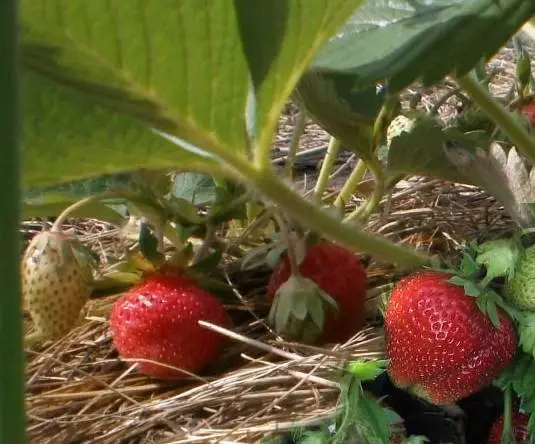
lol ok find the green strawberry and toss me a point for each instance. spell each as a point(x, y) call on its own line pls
point(521, 288)
point(56, 284)
point(398, 125)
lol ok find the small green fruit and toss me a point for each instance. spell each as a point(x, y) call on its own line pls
point(521, 288)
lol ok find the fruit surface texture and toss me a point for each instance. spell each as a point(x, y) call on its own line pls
point(55, 285)
point(157, 320)
point(521, 288)
point(440, 345)
point(338, 272)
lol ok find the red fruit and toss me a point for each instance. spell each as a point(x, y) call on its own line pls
point(520, 429)
point(157, 319)
point(341, 275)
point(439, 343)
point(529, 111)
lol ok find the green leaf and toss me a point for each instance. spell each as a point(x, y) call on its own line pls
point(419, 151)
point(184, 211)
point(366, 370)
point(499, 257)
point(344, 112)
point(175, 65)
point(280, 39)
point(492, 312)
point(273, 257)
point(209, 263)
point(404, 41)
point(68, 137)
point(470, 287)
point(54, 208)
point(468, 264)
point(375, 424)
point(520, 374)
point(526, 331)
point(197, 188)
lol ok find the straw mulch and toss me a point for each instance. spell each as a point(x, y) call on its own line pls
point(79, 391)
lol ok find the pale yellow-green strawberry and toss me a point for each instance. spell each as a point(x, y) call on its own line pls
point(56, 277)
point(521, 288)
point(398, 125)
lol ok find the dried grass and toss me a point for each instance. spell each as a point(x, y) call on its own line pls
point(78, 391)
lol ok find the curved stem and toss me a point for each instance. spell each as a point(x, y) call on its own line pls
point(351, 184)
point(292, 257)
point(365, 210)
point(75, 206)
point(294, 143)
point(503, 118)
point(313, 217)
point(328, 163)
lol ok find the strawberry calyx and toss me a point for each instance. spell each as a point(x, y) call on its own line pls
point(66, 249)
point(299, 309)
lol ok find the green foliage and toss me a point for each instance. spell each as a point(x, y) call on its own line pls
point(419, 151)
point(499, 257)
point(362, 417)
point(406, 40)
point(12, 374)
point(526, 332)
point(366, 370)
point(276, 63)
point(520, 376)
point(345, 112)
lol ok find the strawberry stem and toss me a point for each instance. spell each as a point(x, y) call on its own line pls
point(294, 143)
point(75, 206)
point(292, 257)
point(351, 184)
point(326, 168)
point(507, 432)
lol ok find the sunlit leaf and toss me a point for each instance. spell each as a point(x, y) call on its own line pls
point(405, 40)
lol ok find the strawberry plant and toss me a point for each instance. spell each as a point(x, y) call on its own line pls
point(121, 106)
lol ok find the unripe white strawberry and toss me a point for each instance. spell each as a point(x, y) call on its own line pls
point(397, 126)
point(56, 279)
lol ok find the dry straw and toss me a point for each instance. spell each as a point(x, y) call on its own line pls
point(78, 391)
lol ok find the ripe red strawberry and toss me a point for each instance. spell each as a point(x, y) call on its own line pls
point(439, 343)
point(529, 112)
point(338, 272)
point(157, 319)
point(520, 429)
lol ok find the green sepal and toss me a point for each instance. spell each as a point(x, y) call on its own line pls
point(366, 370)
point(499, 257)
point(299, 309)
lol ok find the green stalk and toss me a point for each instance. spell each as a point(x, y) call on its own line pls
point(502, 117)
point(364, 211)
point(313, 217)
point(326, 168)
point(12, 374)
point(294, 143)
point(507, 431)
point(351, 184)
